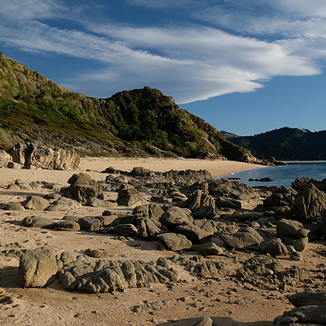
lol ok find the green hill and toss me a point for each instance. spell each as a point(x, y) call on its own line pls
point(135, 123)
point(286, 144)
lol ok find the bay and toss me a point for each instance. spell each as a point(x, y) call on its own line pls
point(282, 175)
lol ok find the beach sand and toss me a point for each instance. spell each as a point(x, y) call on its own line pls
point(227, 302)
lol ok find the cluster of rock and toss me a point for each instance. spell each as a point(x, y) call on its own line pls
point(310, 309)
point(31, 156)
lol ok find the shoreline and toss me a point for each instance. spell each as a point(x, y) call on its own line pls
point(216, 168)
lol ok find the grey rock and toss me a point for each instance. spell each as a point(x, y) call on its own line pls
point(37, 268)
point(174, 242)
point(36, 203)
point(308, 315)
point(64, 204)
point(245, 237)
point(213, 249)
point(90, 223)
point(274, 247)
point(308, 298)
point(175, 216)
point(193, 232)
point(14, 207)
point(66, 226)
point(205, 321)
point(37, 222)
point(129, 196)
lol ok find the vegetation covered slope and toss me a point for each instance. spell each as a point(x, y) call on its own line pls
point(137, 122)
point(286, 144)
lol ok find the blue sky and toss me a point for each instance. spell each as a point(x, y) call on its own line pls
point(244, 66)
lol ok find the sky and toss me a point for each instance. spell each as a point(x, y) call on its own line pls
point(244, 66)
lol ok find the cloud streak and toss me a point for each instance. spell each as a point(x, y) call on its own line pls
point(190, 61)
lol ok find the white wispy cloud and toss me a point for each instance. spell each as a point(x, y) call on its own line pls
point(190, 62)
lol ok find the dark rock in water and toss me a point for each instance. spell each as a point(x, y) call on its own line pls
point(174, 242)
point(245, 237)
point(37, 268)
point(309, 204)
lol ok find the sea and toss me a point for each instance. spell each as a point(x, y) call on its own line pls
point(282, 175)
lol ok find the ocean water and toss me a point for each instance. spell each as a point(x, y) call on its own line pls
point(282, 175)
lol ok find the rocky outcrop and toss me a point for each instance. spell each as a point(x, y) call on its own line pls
point(37, 268)
point(110, 276)
point(5, 158)
point(174, 242)
point(129, 196)
point(31, 155)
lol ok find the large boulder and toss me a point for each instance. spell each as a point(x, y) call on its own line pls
point(174, 242)
point(309, 204)
point(5, 158)
point(37, 268)
point(175, 216)
point(245, 237)
point(201, 204)
point(82, 187)
point(36, 203)
point(292, 233)
point(129, 196)
point(193, 232)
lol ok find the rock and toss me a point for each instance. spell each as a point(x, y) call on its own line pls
point(37, 268)
point(201, 204)
point(174, 242)
point(14, 207)
point(175, 216)
point(231, 189)
point(90, 223)
point(5, 158)
point(274, 247)
point(309, 204)
point(205, 321)
point(36, 203)
point(66, 226)
point(193, 232)
point(126, 230)
point(296, 256)
point(37, 222)
point(213, 249)
point(151, 211)
point(228, 202)
point(308, 298)
point(209, 269)
point(292, 233)
point(245, 237)
point(147, 228)
point(82, 187)
point(260, 264)
point(96, 202)
point(110, 276)
point(323, 223)
point(129, 196)
point(45, 158)
point(64, 204)
point(308, 315)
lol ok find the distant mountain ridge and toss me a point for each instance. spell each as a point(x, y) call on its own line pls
point(134, 123)
point(285, 144)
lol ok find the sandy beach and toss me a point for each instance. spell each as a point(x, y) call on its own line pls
point(185, 301)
